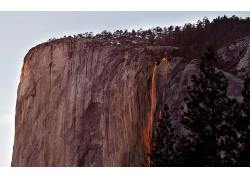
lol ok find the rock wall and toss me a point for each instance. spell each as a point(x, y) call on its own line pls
point(83, 105)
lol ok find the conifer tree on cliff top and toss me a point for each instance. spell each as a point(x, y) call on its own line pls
point(162, 148)
point(209, 117)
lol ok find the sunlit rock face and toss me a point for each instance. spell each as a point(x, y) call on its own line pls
point(82, 105)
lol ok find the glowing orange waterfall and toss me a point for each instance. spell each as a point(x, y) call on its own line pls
point(147, 132)
point(153, 104)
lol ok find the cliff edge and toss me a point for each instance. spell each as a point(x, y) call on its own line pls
point(82, 104)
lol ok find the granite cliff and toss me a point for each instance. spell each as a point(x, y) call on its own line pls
point(83, 104)
point(88, 104)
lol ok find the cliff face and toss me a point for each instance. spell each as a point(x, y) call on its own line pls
point(83, 105)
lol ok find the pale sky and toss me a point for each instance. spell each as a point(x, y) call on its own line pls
point(20, 31)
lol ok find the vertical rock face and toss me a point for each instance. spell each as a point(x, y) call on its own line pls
point(82, 105)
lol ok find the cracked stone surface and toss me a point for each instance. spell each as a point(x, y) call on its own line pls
point(85, 104)
point(82, 105)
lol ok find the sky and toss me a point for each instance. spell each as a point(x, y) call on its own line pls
point(22, 30)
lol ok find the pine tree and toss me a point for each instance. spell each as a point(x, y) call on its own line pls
point(209, 116)
point(243, 127)
point(162, 148)
point(186, 152)
point(246, 98)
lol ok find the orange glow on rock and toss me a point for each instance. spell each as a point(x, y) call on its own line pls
point(160, 115)
point(24, 71)
point(153, 101)
point(147, 131)
point(146, 138)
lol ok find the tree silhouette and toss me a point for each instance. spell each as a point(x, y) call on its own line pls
point(243, 127)
point(209, 115)
point(162, 148)
point(246, 98)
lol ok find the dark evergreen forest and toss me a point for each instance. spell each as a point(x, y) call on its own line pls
point(192, 39)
